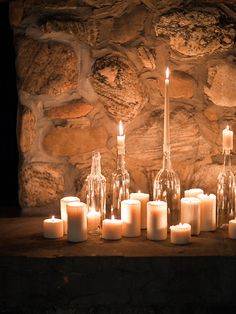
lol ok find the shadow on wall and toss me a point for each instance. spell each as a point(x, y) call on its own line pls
point(8, 111)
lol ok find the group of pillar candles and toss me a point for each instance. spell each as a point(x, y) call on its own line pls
point(198, 213)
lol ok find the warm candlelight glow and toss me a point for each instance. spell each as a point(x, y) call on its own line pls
point(227, 127)
point(139, 191)
point(112, 217)
point(121, 129)
point(167, 73)
point(53, 217)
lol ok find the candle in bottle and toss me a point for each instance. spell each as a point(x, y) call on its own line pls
point(227, 139)
point(121, 140)
point(93, 219)
point(166, 112)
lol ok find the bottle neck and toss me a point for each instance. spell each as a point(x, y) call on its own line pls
point(166, 160)
point(121, 161)
point(227, 160)
point(96, 164)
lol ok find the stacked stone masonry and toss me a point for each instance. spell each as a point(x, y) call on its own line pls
point(84, 65)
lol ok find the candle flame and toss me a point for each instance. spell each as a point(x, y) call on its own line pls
point(112, 217)
point(167, 73)
point(121, 129)
point(227, 127)
point(53, 217)
point(139, 191)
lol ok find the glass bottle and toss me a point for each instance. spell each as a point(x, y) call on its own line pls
point(166, 188)
point(225, 193)
point(96, 195)
point(120, 186)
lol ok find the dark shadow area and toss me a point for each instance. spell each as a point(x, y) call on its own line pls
point(9, 205)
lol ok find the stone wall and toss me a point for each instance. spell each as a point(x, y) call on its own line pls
point(83, 65)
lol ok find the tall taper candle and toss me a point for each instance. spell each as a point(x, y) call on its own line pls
point(166, 112)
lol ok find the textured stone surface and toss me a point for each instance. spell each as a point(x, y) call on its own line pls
point(72, 141)
point(72, 110)
point(27, 130)
point(129, 26)
point(197, 32)
point(147, 57)
point(182, 85)
point(40, 184)
point(221, 85)
point(118, 86)
point(46, 67)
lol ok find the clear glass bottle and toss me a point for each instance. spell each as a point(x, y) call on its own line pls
point(166, 188)
point(120, 186)
point(225, 193)
point(96, 195)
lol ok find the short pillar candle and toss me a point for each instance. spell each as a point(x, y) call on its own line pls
point(111, 229)
point(180, 234)
point(232, 229)
point(190, 213)
point(156, 220)
point(143, 198)
point(207, 212)
point(193, 192)
point(130, 216)
point(64, 201)
point(53, 228)
point(77, 221)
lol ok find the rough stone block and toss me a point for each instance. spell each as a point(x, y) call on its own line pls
point(27, 129)
point(71, 110)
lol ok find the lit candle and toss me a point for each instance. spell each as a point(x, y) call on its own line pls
point(232, 229)
point(121, 140)
point(193, 192)
point(53, 228)
point(208, 212)
point(130, 216)
point(111, 229)
point(77, 221)
point(166, 112)
point(190, 213)
point(180, 234)
point(227, 139)
point(143, 198)
point(94, 223)
point(64, 201)
point(156, 220)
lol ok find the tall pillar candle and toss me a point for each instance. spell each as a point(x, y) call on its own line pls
point(130, 216)
point(64, 201)
point(208, 212)
point(156, 220)
point(143, 198)
point(193, 192)
point(77, 221)
point(53, 228)
point(232, 229)
point(227, 139)
point(190, 213)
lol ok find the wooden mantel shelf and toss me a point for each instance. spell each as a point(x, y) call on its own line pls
point(23, 237)
point(130, 276)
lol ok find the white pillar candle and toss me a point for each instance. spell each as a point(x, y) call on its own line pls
point(180, 234)
point(190, 213)
point(193, 192)
point(156, 220)
point(227, 139)
point(94, 221)
point(208, 212)
point(232, 229)
point(143, 198)
point(166, 112)
point(121, 140)
point(53, 228)
point(130, 216)
point(64, 201)
point(111, 229)
point(77, 221)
